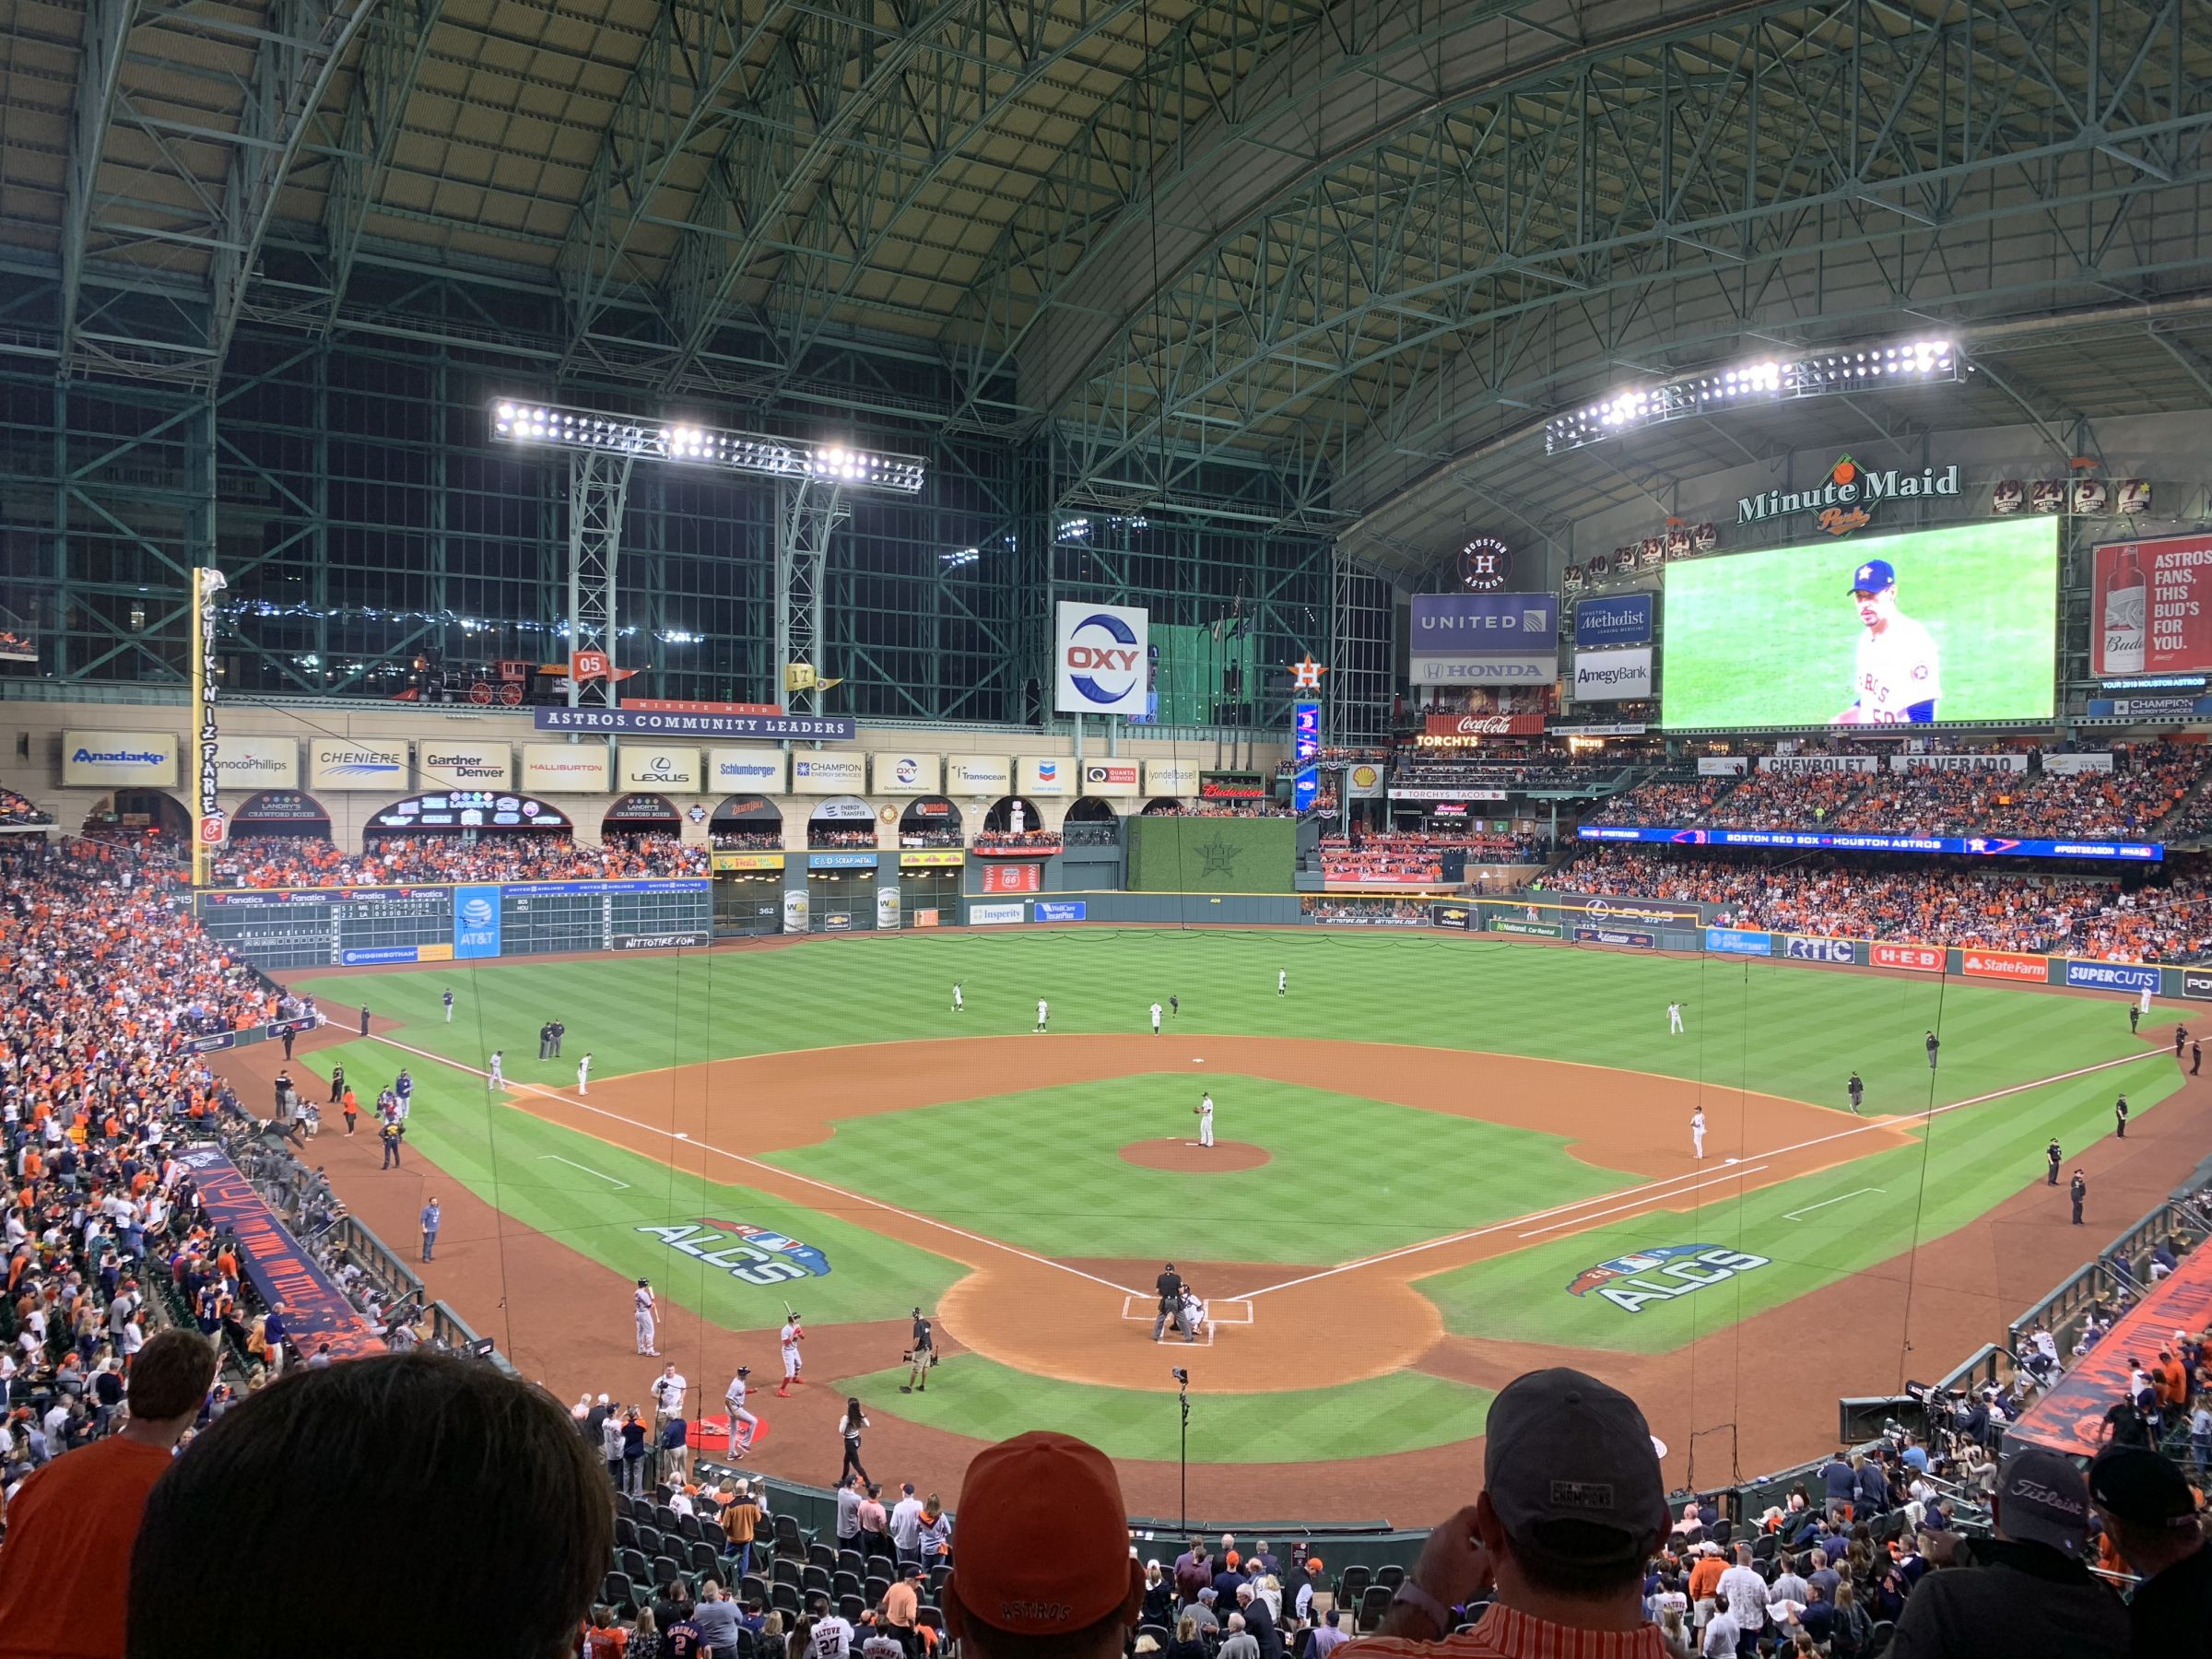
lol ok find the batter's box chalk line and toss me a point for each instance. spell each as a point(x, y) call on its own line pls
point(1223, 1310)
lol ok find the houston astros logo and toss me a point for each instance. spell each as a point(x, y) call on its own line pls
point(1306, 676)
point(1219, 856)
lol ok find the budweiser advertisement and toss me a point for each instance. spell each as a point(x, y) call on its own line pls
point(1920, 958)
point(2153, 607)
point(2005, 965)
point(1485, 725)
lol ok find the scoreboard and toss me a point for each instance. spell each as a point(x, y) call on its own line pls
point(349, 927)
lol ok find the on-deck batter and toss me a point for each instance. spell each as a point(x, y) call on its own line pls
point(789, 1339)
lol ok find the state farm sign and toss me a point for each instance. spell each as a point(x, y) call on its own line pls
point(1920, 958)
point(1485, 725)
point(2006, 965)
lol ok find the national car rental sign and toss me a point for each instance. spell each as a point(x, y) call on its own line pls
point(1101, 657)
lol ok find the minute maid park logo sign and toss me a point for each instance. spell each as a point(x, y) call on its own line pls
point(1845, 498)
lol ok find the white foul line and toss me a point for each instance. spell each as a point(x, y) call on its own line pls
point(754, 1163)
point(1809, 1209)
point(1737, 1173)
point(587, 1168)
point(1654, 1189)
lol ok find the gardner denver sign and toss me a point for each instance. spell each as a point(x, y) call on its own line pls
point(1845, 498)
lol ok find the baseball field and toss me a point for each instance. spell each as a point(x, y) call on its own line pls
point(1442, 1159)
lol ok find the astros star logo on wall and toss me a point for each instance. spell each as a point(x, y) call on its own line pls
point(1219, 856)
point(1306, 676)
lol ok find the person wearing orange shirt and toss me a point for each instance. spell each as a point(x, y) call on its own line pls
point(65, 1565)
point(1705, 1579)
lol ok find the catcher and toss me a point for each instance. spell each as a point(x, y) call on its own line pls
point(920, 1356)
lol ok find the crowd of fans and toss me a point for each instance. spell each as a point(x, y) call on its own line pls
point(746, 840)
point(310, 861)
point(1777, 800)
point(1670, 802)
point(1040, 840)
point(830, 835)
point(17, 812)
point(1474, 774)
point(2143, 786)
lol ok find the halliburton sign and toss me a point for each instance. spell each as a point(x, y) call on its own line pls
point(1485, 725)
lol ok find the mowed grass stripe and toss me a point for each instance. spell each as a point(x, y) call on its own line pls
point(1975, 1158)
point(1042, 1169)
point(1408, 1411)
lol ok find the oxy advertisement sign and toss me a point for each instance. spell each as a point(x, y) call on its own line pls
point(1170, 778)
point(1800, 949)
point(978, 774)
point(2005, 965)
point(119, 760)
point(1612, 675)
point(257, 762)
point(905, 775)
point(659, 765)
point(828, 774)
point(1100, 656)
point(1917, 958)
point(747, 771)
point(465, 765)
point(566, 769)
point(1484, 639)
point(475, 922)
point(1623, 620)
point(1736, 941)
point(2115, 976)
point(332, 764)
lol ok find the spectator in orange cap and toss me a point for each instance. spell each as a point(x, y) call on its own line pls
point(1007, 1598)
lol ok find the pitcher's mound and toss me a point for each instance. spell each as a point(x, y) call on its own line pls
point(1177, 1154)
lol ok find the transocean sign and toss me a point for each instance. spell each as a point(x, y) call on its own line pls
point(1845, 498)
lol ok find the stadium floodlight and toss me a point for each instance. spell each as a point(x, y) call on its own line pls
point(553, 427)
point(1767, 380)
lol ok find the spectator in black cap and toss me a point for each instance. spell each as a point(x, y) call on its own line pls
point(2026, 1591)
point(2152, 1517)
point(1572, 1506)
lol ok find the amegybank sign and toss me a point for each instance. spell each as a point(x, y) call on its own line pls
point(119, 760)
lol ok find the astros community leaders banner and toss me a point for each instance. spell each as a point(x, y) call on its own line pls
point(1212, 855)
point(1958, 623)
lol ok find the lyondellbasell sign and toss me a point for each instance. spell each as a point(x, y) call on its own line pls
point(1844, 501)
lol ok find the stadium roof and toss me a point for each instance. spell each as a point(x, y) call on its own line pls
point(1363, 247)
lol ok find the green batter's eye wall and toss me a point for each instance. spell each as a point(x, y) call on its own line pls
point(1212, 855)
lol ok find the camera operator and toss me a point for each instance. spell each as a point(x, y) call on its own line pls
point(920, 1357)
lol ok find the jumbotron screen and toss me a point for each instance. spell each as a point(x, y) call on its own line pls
point(1932, 626)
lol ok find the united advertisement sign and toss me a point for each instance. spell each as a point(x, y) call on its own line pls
point(1485, 639)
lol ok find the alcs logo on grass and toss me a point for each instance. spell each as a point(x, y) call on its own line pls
point(1662, 1274)
point(749, 1252)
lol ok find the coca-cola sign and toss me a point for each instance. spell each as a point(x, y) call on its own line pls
point(1485, 725)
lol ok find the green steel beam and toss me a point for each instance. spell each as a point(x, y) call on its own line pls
point(91, 116)
point(397, 37)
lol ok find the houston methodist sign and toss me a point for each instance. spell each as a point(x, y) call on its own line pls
point(1101, 657)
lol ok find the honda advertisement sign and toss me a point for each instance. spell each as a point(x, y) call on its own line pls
point(1099, 654)
point(1485, 639)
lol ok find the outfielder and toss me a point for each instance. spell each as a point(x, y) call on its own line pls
point(498, 1081)
point(734, 1399)
point(644, 1304)
point(1898, 677)
point(1697, 1131)
point(1282, 981)
point(1044, 1013)
point(1155, 1019)
point(449, 1007)
point(1673, 1019)
point(1204, 1109)
point(792, 1335)
point(959, 1002)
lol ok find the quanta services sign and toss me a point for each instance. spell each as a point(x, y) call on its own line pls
point(1664, 1273)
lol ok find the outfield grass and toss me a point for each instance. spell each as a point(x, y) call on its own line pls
point(1042, 1169)
point(564, 1184)
point(1406, 1411)
point(1814, 1230)
point(1764, 1025)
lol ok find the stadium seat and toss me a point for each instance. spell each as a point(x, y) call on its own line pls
point(787, 1571)
point(1878, 1642)
point(788, 1539)
point(650, 1539)
point(617, 1592)
point(666, 1519)
point(784, 1598)
point(813, 1580)
point(1373, 1604)
point(934, 1619)
point(1390, 1577)
point(852, 1561)
point(1159, 1633)
point(753, 1589)
point(633, 1561)
point(1352, 1586)
point(850, 1607)
point(1723, 1531)
point(844, 1583)
point(873, 1590)
point(666, 1570)
point(691, 1527)
point(1765, 1547)
point(705, 1556)
point(938, 1575)
point(626, 1532)
point(823, 1555)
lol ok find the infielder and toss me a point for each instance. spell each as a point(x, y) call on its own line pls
point(1697, 1131)
point(1282, 981)
point(498, 1081)
point(644, 1304)
point(584, 1074)
point(792, 1335)
point(733, 1398)
point(1155, 1019)
point(449, 1007)
point(1204, 1109)
point(1673, 1019)
point(2144, 1003)
point(1899, 677)
point(1044, 1013)
point(957, 1001)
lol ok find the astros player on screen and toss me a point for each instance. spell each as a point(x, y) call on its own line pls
point(1899, 677)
